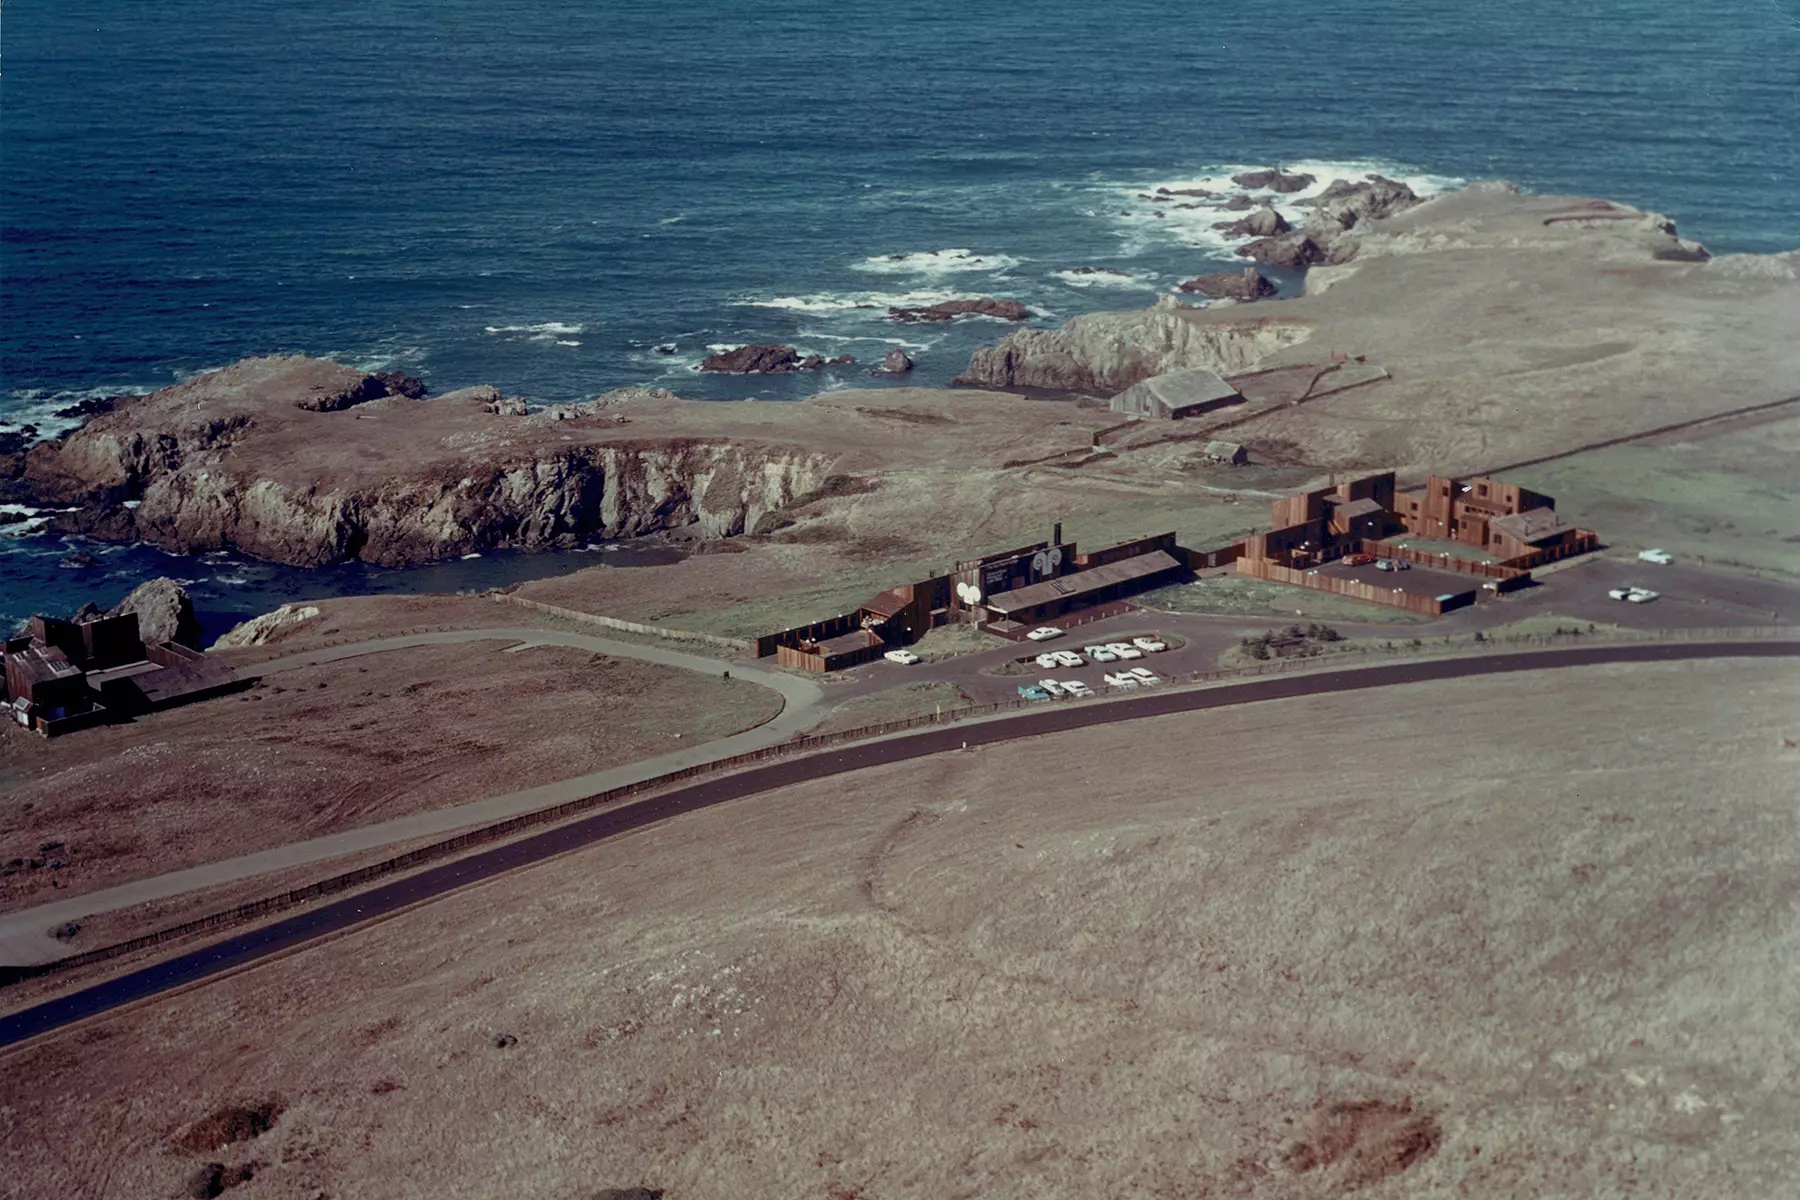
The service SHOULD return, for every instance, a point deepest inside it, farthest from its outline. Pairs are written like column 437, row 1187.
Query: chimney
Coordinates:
column 1056, row 534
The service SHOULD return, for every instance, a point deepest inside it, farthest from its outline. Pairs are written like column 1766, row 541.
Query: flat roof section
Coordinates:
column 1534, row 525
column 1083, row 582
column 856, row 639
column 1418, row 581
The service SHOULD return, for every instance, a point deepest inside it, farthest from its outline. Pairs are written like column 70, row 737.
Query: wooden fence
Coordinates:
column 1260, row 568
column 800, row 745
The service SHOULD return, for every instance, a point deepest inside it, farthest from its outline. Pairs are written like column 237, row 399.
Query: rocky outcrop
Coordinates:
column 1264, row 222
column 1274, row 181
column 92, row 406
column 270, row 627
column 550, row 499
column 398, row 383
column 164, row 611
column 226, row 462
column 767, row 360
column 946, row 310
column 1244, row 287
column 1327, row 238
column 753, row 360
column 1345, row 205
column 896, row 362
column 1105, row 353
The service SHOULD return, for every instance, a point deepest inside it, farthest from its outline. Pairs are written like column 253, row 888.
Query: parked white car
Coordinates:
column 1661, row 558
column 1076, row 688
column 1044, row 633
column 1049, row 659
column 1124, row 649
column 1634, row 594
column 1068, row 658
column 1146, row 676
column 905, row 658
column 1149, row 645
column 1051, row 686
column 1100, row 654
column 1122, row 680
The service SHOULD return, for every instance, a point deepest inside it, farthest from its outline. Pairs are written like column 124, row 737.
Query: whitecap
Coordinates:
column 1108, row 277
column 543, row 331
column 936, row 262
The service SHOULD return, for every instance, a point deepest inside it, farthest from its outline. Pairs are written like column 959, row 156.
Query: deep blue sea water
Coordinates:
column 536, row 194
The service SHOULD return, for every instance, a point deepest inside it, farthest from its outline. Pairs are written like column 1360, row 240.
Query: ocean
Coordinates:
column 538, row 195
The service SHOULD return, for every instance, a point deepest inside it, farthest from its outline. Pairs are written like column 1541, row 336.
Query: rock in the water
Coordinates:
column 1250, row 285
column 18, row 441
column 1008, row 310
column 270, row 627
column 753, row 360
column 896, row 362
column 93, row 406
column 80, row 560
column 399, row 383
column 164, row 611
column 1199, row 193
column 1238, row 204
column 1274, row 181
column 666, row 348
column 1264, row 222
column 1296, row 249
column 1102, row 270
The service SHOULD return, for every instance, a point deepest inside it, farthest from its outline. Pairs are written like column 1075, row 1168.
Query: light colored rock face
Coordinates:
column 271, row 626
column 1106, row 353
column 234, row 461
column 165, row 613
column 590, row 491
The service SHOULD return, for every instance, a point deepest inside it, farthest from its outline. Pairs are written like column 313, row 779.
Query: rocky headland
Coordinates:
column 306, row 462
column 1509, row 326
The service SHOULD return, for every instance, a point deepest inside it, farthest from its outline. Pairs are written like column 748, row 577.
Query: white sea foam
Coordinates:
column 548, row 332
column 1139, row 226
column 953, row 261
column 1110, row 278
column 871, row 304
column 39, row 406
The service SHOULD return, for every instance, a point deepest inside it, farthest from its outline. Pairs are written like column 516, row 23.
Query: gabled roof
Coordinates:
column 1083, row 582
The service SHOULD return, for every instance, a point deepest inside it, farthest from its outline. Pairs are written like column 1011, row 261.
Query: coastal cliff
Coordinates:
column 241, row 460
column 1106, row 353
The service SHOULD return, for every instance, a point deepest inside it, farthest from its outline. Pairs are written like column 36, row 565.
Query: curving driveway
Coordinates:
column 24, row 936
column 336, row 916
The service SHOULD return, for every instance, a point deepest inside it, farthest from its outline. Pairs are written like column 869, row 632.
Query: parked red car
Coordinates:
column 1358, row 560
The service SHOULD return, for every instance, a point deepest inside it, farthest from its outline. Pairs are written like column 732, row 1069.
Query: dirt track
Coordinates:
column 250, row 947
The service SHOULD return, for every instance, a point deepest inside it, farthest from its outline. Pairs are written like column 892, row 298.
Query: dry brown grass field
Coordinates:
column 1528, row 936
column 320, row 749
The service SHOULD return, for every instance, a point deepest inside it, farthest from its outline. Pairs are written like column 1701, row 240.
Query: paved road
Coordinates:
column 24, row 934
column 333, row 917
